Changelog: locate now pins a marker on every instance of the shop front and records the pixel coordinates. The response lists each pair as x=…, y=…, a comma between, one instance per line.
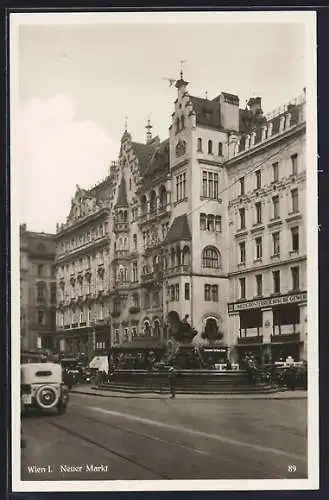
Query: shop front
x=270, y=328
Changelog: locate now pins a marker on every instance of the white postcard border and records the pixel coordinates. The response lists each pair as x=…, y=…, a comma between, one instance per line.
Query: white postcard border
x=309, y=19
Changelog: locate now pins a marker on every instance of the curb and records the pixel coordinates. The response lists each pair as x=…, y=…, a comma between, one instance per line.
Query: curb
x=191, y=396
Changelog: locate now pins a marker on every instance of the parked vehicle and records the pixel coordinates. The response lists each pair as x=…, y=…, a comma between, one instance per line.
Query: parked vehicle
x=42, y=387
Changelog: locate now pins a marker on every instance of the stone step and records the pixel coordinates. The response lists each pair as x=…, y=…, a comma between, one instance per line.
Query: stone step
x=259, y=389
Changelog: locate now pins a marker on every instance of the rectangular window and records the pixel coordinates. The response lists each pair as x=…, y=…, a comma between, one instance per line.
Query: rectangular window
x=242, y=247
x=180, y=187
x=172, y=293
x=135, y=242
x=258, y=179
x=210, y=222
x=204, y=185
x=276, y=281
x=218, y=224
x=207, y=293
x=294, y=200
x=241, y=181
x=187, y=291
x=40, y=270
x=275, y=167
x=276, y=243
x=177, y=292
x=294, y=164
x=135, y=272
x=203, y=222
x=146, y=300
x=259, y=285
x=295, y=278
x=216, y=193
x=242, y=213
x=295, y=239
x=210, y=183
x=258, y=208
x=259, y=248
x=242, y=288
x=41, y=318
x=214, y=293
x=276, y=207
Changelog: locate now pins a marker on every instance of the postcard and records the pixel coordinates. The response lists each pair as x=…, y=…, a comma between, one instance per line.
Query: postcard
x=164, y=251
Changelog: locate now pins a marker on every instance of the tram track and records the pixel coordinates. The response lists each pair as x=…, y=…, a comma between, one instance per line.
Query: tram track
x=105, y=448
x=186, y=448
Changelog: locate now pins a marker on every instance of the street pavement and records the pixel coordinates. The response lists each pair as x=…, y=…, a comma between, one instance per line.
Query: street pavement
x=108, y=438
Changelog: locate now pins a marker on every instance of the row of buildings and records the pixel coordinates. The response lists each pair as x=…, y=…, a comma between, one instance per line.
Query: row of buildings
x=207, y=225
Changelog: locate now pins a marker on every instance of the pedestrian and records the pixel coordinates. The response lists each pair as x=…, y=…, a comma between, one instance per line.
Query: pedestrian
x=172, y=380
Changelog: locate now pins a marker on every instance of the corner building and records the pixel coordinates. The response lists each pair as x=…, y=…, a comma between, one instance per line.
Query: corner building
x=156, y=239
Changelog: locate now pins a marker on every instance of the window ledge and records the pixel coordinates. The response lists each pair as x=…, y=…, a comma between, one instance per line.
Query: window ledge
x=260, y=259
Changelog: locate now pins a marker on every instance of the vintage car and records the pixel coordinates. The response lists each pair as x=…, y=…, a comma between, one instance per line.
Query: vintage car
x=42, y=387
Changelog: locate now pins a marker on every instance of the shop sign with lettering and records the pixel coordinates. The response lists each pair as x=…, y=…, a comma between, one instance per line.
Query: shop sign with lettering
x=269, y=302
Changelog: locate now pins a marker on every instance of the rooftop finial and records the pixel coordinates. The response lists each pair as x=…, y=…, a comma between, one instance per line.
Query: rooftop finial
x=148, y=130
x=206, y=95
x=182, y=62
x=126, y=123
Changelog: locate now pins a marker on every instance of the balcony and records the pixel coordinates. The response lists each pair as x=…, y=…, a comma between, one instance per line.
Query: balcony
x=134, y=309
x=122, y=284
x=121, y=254
x=161, y=211
x=147, y=277
x=252, y=339
x=293, y=216
x=176, y=270
x=285, y=338
x=121, y=227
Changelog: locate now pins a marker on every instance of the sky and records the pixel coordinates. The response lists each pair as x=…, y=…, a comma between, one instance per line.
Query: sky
x=77, y=83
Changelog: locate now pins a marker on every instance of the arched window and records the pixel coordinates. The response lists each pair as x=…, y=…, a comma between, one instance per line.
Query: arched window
x=186, y=256
x=156, y=328
x=211, y=329
x=146, y=328
x=172, y=257
x=143, y=205
x=182, y=122
x=153, y=202
x=210, y=147
x=163, y=197
x=211, y=258
x=220, y=149
x=199, y=145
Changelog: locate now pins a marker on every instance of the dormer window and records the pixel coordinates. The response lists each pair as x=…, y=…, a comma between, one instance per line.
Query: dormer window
x=210, y=147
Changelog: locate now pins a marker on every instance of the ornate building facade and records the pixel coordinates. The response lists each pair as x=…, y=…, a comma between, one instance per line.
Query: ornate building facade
x=158, y=238
x=37, y=290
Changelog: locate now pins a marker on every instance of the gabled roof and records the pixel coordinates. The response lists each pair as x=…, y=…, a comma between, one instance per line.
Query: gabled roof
x=178, y=231
x=144, y=153
x=207, y=112
x=122, y=194
x=158, y=164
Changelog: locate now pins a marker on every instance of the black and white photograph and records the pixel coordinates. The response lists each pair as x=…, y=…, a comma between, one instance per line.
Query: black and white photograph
x=164, y=251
